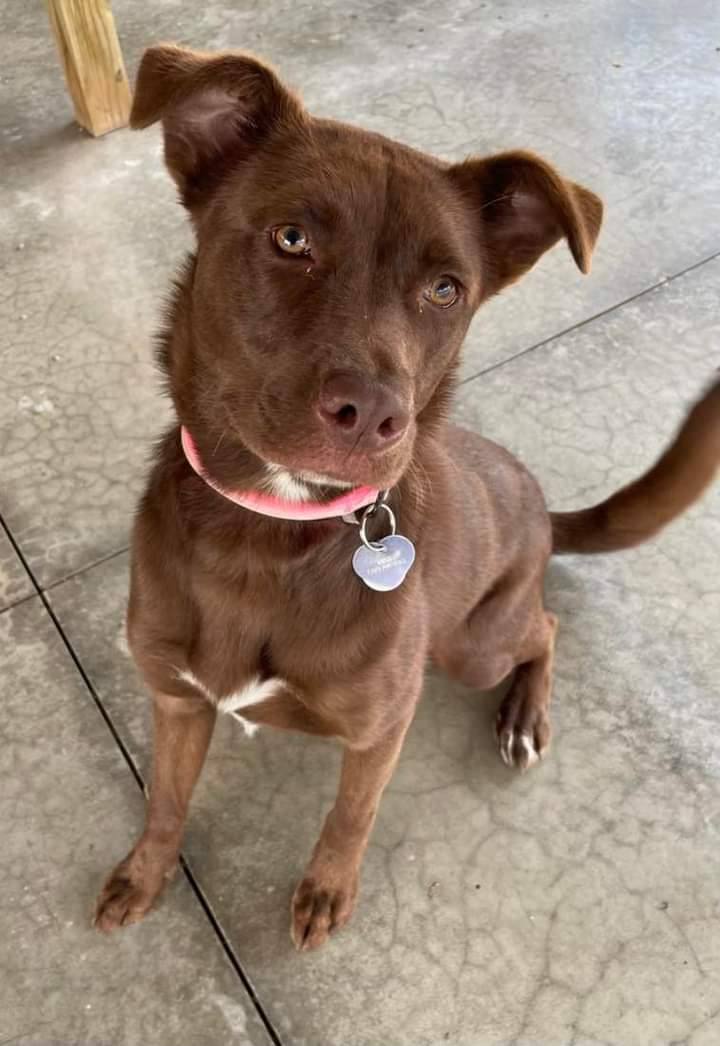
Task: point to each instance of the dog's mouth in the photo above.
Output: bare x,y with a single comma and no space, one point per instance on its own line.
302,467
299,463
321,473
285,494
294,483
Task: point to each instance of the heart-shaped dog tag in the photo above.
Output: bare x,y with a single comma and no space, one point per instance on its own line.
386,567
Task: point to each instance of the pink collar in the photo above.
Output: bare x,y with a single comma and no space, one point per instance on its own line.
267,505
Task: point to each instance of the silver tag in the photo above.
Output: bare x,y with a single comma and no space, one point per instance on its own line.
386,567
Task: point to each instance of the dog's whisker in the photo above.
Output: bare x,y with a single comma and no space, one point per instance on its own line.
498,199
220,439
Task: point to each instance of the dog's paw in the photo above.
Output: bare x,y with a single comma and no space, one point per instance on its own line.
319,909
522,733
128,894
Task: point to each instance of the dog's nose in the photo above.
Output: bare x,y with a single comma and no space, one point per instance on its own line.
362,413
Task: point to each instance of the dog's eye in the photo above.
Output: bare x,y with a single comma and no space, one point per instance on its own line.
443,292
292,239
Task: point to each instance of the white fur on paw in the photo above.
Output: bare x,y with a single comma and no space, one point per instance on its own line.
506,743
506,746
532,753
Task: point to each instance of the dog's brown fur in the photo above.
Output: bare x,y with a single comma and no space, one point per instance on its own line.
251,337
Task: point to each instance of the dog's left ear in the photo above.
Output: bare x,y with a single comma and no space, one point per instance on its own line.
522,207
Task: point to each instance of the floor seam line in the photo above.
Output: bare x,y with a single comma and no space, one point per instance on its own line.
18,603
590,319
195,887
82,570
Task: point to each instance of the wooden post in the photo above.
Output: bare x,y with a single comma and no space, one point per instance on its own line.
91,57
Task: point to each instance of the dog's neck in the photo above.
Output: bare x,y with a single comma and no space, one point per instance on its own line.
297,504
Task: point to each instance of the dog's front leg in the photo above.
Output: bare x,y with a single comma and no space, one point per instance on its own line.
325,898
183,728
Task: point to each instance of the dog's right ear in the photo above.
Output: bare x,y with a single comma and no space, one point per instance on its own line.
214,110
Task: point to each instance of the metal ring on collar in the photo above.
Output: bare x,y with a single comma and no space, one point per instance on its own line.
376,546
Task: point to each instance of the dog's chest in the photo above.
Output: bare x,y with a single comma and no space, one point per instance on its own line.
252,692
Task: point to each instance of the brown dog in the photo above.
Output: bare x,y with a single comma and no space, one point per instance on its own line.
310,352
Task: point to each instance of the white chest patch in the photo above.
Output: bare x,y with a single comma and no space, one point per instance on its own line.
255,691
284,485
251,694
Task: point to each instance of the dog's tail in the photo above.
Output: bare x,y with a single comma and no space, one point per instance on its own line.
637,512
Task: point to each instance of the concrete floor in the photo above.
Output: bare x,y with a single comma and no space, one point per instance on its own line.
577,905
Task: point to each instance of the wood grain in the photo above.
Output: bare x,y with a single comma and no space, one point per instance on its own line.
91,57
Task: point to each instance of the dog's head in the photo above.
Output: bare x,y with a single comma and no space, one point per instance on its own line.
336,271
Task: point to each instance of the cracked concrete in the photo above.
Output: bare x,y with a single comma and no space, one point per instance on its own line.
67,802
576,906
15,583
